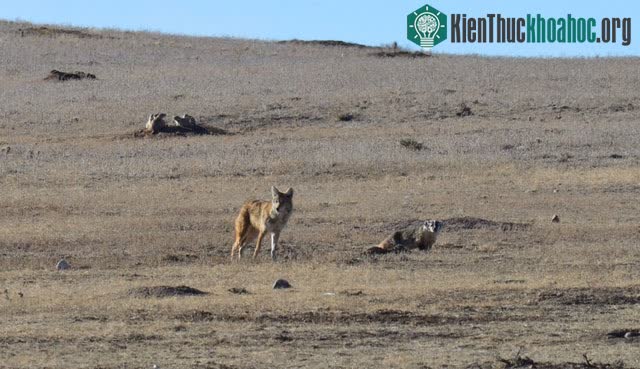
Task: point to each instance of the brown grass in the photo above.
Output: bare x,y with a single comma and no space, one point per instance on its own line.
547,136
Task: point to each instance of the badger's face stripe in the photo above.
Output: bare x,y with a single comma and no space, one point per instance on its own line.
433,226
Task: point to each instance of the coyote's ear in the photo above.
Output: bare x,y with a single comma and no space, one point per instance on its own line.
274,192
289,192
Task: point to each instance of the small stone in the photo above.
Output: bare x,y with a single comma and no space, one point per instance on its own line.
63,265
281,283
555,219
629,335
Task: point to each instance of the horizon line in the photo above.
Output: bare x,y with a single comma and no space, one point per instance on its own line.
348,43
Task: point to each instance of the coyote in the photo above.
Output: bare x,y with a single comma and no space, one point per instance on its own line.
257,217
422,237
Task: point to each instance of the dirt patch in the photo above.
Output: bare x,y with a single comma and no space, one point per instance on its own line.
165,291
351,293
332,43
52,32
590,296
461,223
128,338
173,258
621,108
348,318
524,362
56,75
173,131
314,317
400,54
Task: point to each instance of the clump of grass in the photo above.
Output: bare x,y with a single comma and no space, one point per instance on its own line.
412,144
464,111
565,157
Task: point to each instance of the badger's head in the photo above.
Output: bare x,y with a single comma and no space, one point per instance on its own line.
433,226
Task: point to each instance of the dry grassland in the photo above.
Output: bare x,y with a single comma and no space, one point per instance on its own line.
546,136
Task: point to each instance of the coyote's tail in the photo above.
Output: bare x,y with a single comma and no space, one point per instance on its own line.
242,222
242,227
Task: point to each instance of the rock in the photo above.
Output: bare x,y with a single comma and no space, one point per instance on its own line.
281,283
629,335
63,265
555,219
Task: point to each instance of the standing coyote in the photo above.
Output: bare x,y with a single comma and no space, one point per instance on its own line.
259,217
422,237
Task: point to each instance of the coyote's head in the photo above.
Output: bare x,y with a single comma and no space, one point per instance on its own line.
282,202
433,226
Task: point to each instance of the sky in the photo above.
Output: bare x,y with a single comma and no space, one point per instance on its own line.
373,22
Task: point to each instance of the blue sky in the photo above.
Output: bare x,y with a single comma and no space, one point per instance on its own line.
373,22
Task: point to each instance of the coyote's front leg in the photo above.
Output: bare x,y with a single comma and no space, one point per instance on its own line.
274,244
